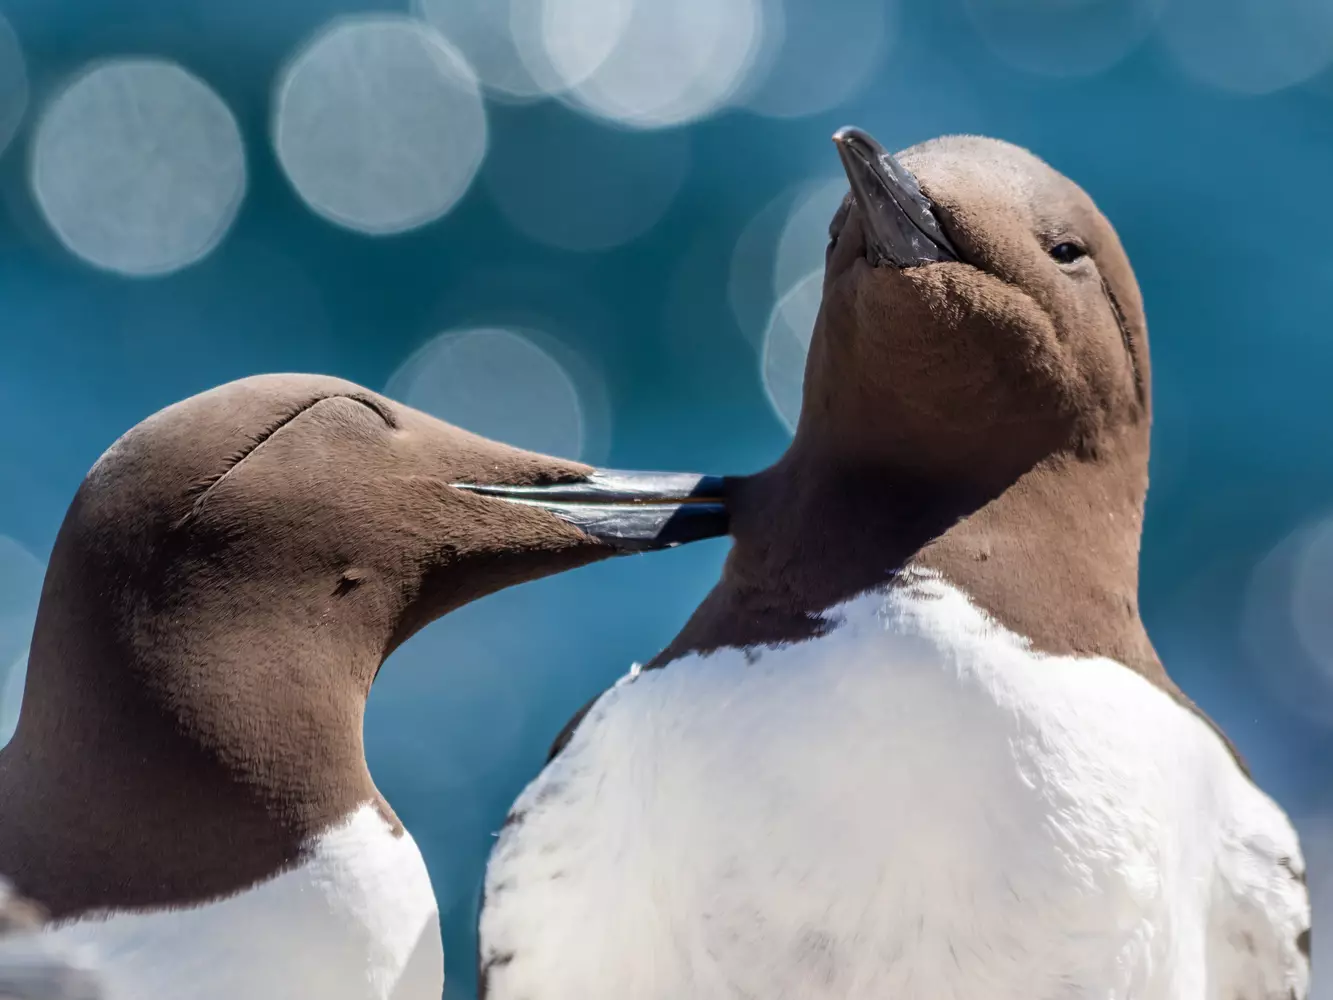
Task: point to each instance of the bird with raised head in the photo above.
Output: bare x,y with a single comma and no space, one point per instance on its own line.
917,743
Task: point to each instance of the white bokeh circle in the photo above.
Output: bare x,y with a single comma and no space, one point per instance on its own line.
481,30
563,42
20,591
786,344
12,681
498,383
379,124
1249,46
1312,597
667,63
804,237
1284,624
750,271
138,167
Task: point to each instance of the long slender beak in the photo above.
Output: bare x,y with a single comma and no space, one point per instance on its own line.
901,228
633,511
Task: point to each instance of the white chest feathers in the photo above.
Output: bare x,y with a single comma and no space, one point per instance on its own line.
916,805
356,921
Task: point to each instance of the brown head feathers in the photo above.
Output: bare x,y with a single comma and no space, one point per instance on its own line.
977,403
223,590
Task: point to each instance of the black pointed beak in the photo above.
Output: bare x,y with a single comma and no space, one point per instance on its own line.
901,228
632,511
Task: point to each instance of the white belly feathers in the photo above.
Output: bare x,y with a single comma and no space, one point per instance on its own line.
915,805
357,921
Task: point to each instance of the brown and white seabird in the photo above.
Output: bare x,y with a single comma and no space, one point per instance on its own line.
186,793
917,743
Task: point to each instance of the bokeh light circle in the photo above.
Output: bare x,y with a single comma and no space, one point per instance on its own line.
379,124
1063,38
804,236
1284,622
1312,597
12,681
819,53
786,344
504,41
498,383
563,42
481,30
20,590
1250,46
138,167
670,63
13,83
576,185
750,273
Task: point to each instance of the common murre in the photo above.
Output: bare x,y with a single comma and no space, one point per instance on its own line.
917,743
186,793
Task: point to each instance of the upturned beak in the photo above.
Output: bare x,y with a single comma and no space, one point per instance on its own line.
901,229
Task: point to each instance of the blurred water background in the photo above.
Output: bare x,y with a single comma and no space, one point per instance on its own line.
594,227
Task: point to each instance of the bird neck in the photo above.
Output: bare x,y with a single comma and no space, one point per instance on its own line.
126,786
1052,555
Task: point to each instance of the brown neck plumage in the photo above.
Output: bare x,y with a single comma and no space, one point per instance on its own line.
1052,555
113,797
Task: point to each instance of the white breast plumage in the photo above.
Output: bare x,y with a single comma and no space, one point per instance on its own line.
916,805
356,921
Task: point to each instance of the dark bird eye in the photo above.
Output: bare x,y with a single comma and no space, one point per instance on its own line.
1067,253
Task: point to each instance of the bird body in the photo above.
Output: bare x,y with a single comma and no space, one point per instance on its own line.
917,742
916,804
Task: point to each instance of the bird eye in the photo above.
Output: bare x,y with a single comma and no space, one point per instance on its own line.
1067,253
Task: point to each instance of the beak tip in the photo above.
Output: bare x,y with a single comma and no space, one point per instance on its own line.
902,227
851,137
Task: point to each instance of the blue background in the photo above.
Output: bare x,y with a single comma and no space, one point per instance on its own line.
1221,198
